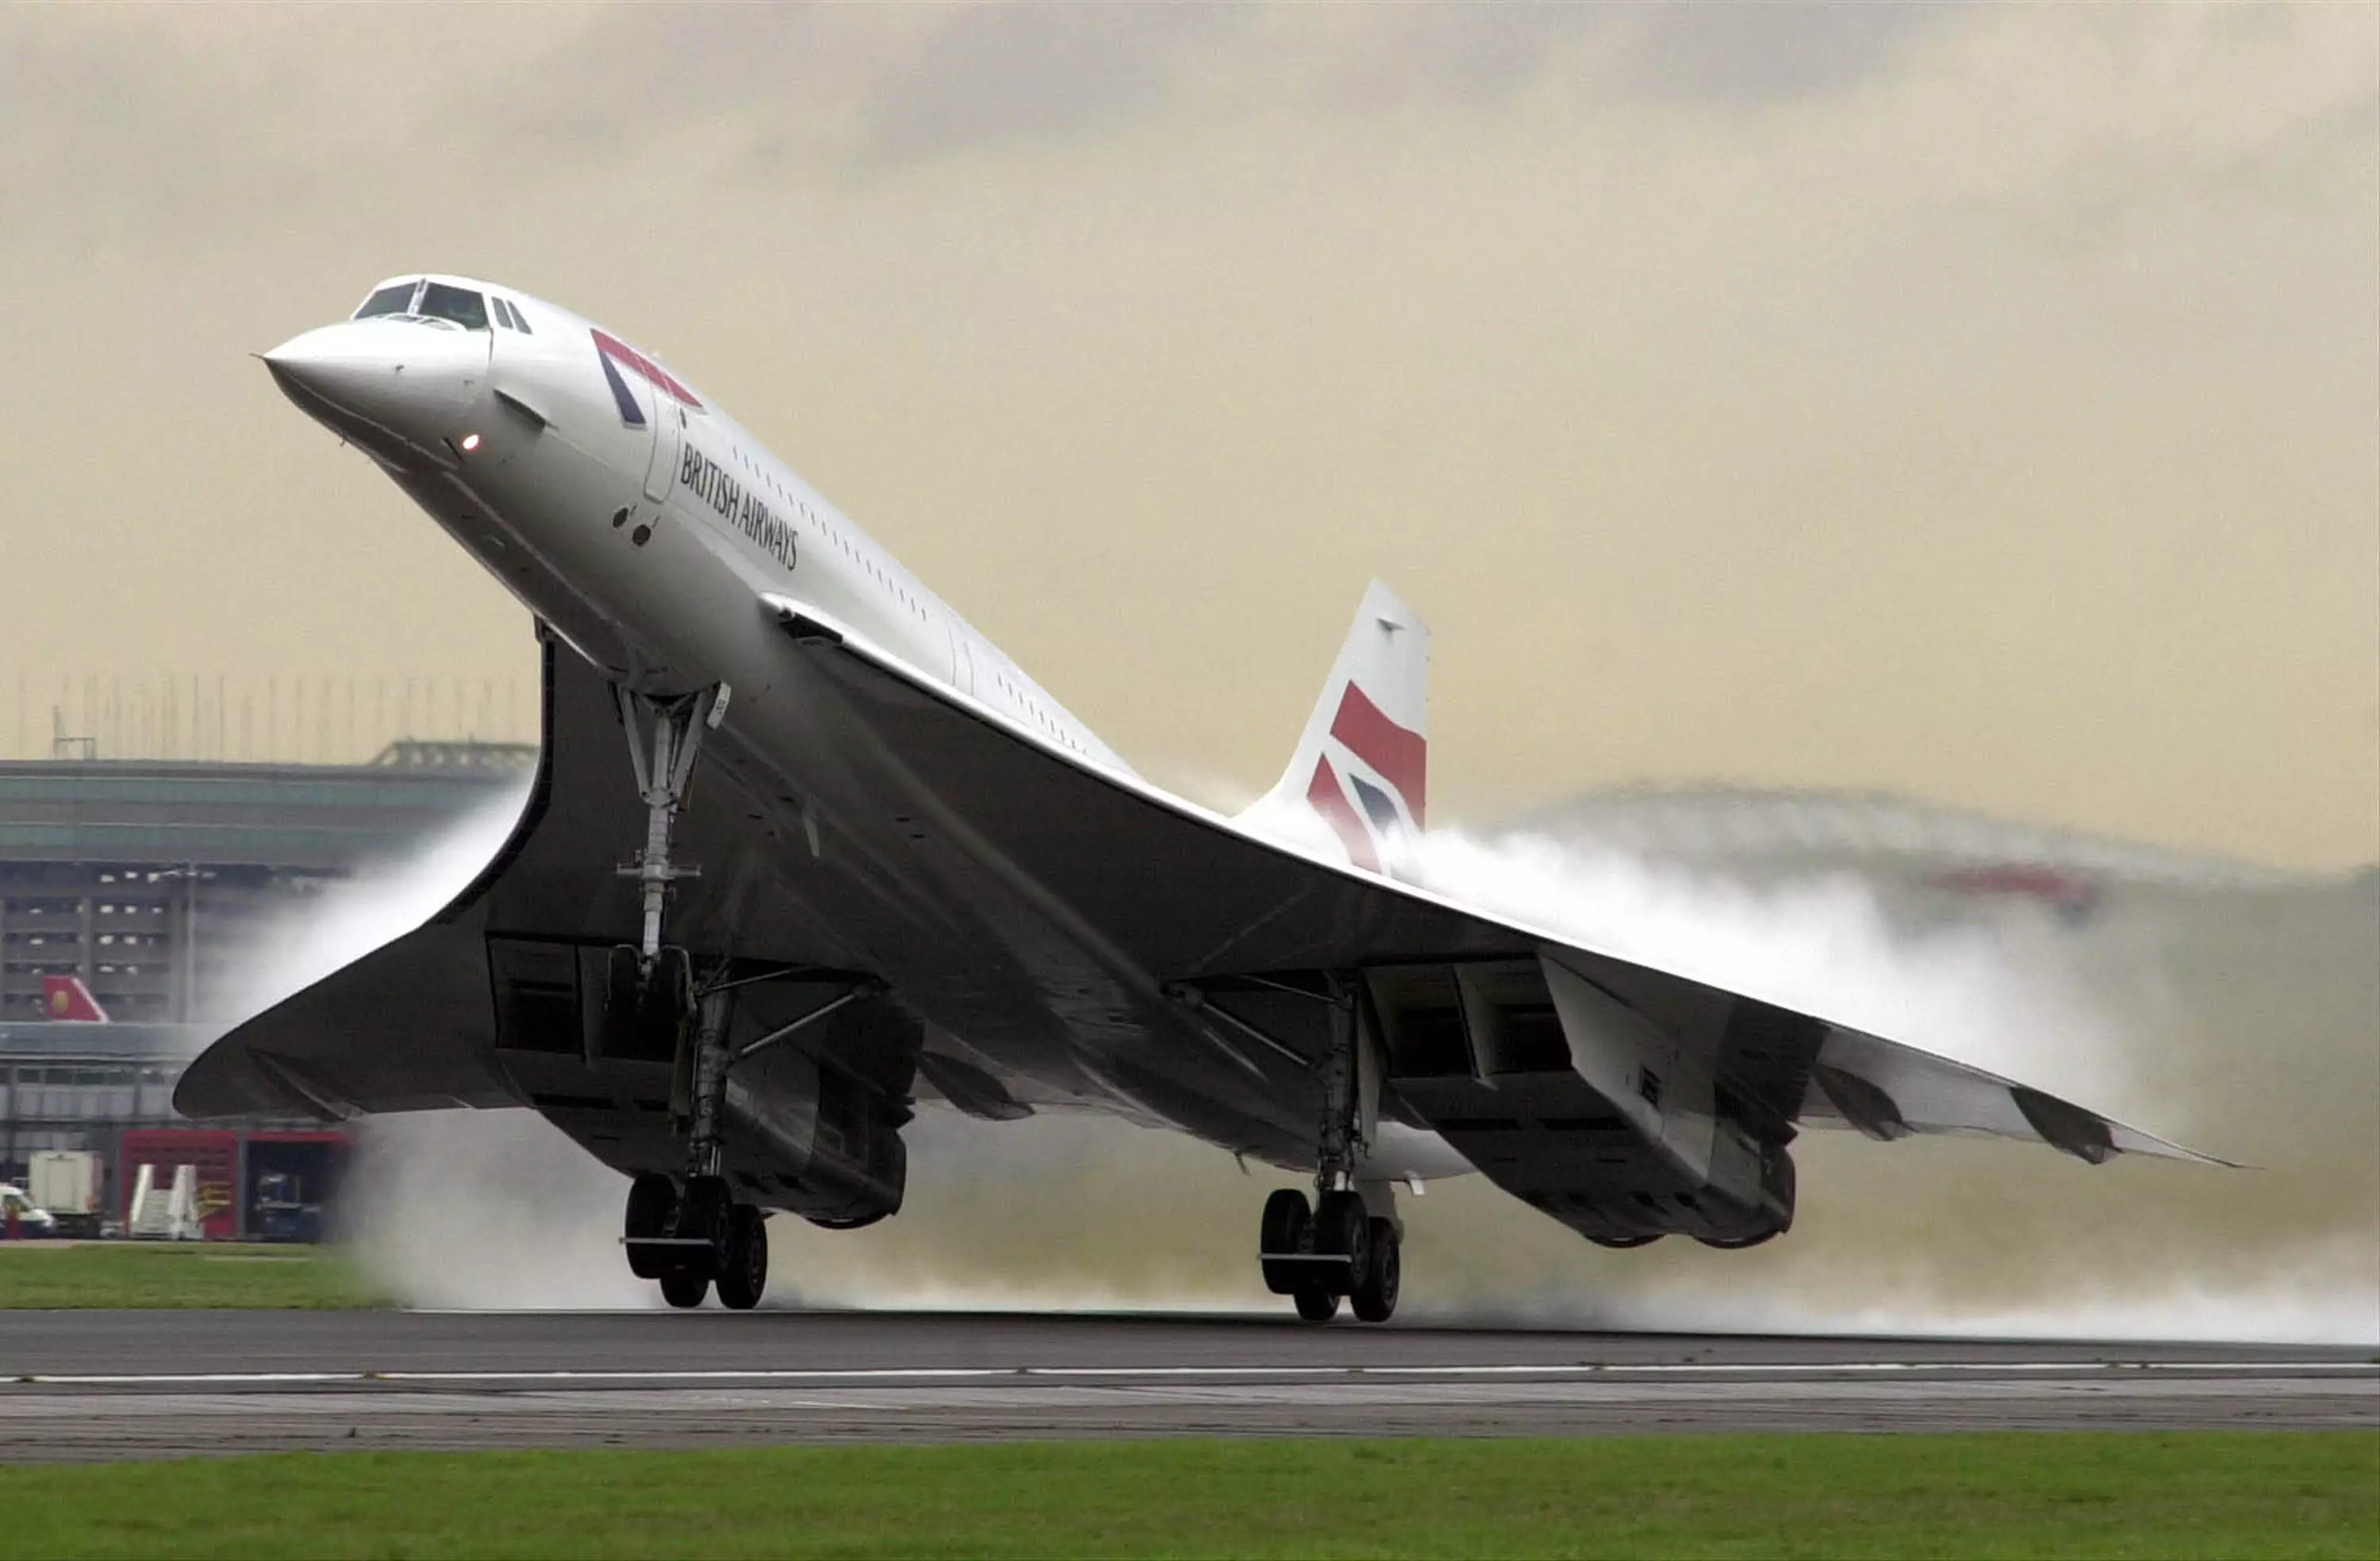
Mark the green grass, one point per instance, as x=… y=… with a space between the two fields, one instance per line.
x=2126 y=1494
x=40 y=1274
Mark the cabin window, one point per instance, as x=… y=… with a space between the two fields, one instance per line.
x=459 y=305
x=395 y=298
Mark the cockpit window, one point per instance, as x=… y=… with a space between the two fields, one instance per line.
x=520 y=321
x=460 y=304
x=395 y=298
x=503 y=316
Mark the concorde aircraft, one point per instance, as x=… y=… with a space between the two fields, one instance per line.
x=804 y=847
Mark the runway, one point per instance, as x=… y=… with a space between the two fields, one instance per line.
x=86 y=1384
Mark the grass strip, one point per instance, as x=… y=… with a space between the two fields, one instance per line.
x=2070 y=1493
x=146 y=1273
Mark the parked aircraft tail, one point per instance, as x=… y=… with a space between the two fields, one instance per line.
x=65 y=997
x=1362 y=766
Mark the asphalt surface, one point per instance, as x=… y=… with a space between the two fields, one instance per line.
x=97 y=1384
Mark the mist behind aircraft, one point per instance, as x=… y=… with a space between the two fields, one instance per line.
x=2239 y=1012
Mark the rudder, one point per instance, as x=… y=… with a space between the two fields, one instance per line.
x=1361 y=768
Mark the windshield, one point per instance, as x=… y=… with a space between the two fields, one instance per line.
x=460 y=304
x=395 y=298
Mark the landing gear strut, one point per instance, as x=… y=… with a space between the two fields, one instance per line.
x=691 y=1234
x=687 y=1233
x=1337 y=1246
x=678 y=725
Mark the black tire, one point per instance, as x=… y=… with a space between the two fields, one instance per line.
x=1316 y=1304
x=623 y=1002
x=743 y=1271
x=1342 y=1229
x=674 y=979
x=1375 y=1297
x=667 y=1003
x=1287 y=1227
x=652 y=1198
x=643 y=1013
x=703 y=1213
x=684 y=1290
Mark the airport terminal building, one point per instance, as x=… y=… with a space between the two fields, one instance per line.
x=158 y=883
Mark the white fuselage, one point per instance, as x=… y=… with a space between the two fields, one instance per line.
x=722 y=509
x=656 y=537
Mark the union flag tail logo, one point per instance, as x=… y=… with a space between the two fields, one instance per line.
x=65 y=997
x=1362 y=766
x=614 y=353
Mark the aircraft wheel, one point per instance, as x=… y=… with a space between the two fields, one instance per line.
x=642 y=1014
x=1342 y=1229
x=744 y=1269
x=621 y=1003
x=665 y=1003
x=705 y=1212
x=1288 y=1222
x=1316 y=1305
x=652 y=1199
x=1375 y=1297
x=685 y=1291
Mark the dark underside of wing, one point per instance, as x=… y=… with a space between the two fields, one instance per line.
x=1625 y=1101
x=418 y=1023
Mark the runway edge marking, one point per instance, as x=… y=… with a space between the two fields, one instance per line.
x=946 y=1374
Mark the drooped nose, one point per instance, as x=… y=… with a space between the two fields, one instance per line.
x=381 y=379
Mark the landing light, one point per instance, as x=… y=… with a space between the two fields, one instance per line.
x=470 y=443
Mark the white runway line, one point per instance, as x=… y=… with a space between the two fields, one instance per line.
x=1709 y=1371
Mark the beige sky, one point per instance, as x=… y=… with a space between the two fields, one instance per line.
x=1978 y=406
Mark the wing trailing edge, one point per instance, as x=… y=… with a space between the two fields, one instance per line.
x=1887 y=1090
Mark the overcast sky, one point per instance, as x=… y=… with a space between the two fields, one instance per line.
x=1978 y=405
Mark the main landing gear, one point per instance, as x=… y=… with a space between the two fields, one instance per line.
x=692 y=1240
x=1316 y=1254
x=688 y=1233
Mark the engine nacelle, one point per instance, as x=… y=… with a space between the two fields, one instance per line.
x=1750 y=1196
x=816 y=1129
x=818 y=1145
x=1637 y=1194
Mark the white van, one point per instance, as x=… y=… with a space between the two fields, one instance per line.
x=30 y=1218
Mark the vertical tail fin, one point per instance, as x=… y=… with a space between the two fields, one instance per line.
x=65 y=997
x=1360 y=774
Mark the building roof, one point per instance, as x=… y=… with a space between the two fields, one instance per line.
x=320 y=817
x=105 y=1043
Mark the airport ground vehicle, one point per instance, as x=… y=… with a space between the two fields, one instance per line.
x=69 y=1183
x=22 y=1218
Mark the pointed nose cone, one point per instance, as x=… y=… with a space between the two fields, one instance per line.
x=382 y=381
x=331 y=363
